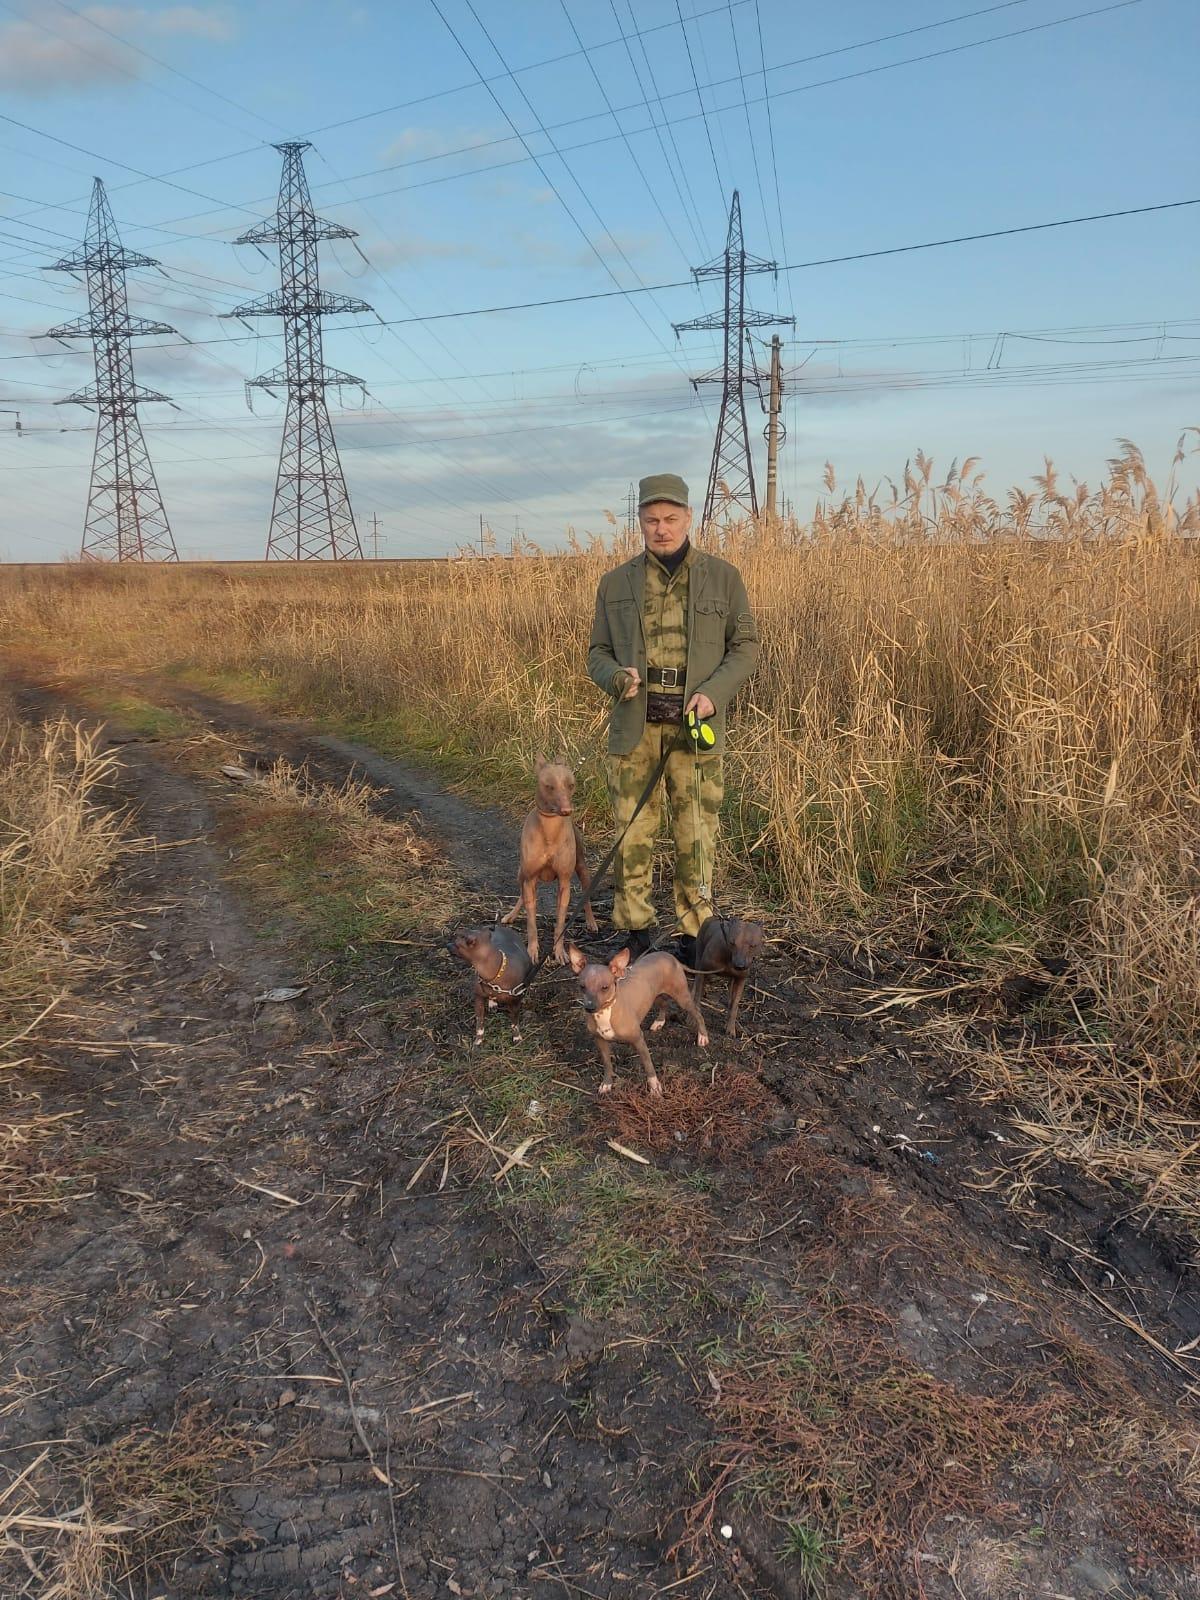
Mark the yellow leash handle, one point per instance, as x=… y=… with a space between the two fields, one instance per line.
x=701 y=733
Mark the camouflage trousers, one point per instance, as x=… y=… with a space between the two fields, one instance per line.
x=694 y=786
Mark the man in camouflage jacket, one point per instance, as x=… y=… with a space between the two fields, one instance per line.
x=673 y=632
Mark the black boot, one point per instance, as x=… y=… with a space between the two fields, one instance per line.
x=640 y=941
x=686 y=949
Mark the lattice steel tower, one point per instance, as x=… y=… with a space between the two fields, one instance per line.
x=731 y=477
x=125 y=520
x=311 y=519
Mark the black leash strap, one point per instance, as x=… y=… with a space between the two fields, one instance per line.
x=601 y=871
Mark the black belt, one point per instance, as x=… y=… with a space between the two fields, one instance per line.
x=666 y=677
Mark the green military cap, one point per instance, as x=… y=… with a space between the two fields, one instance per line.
x=667 y=486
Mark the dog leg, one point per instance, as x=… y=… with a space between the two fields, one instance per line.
x=514 y=1017
x=560 y=921
x=660 y=1020
x=585 y=883
x=643 y=1050
x=480 y=1013
x=529 y=896
x=516 y=910
x=605 y=1050
x=738 y=985
x=679 y=992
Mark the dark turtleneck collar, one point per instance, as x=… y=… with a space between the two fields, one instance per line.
x=675 y=560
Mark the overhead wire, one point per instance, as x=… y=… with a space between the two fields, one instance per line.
x=689 y=117
x=539 y=163
x=700 y=102
x=750 y=139
x=659 y=208
x=795 y=266
x=678 y=168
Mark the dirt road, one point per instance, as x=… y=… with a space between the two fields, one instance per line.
x=272 y=1308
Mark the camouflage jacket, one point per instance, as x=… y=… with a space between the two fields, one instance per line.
x=722 y=640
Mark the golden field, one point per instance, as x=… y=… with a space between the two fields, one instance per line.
x=973 y=728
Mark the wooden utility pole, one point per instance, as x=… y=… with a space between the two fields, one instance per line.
x=774 y=429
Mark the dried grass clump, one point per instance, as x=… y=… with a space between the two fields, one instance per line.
x=58 y=841
x=829 y=1422
x=84 y=1524
x=721 y=1118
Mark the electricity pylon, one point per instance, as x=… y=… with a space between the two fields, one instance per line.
x=731 y=477
x=125 y=519
x=311 y=519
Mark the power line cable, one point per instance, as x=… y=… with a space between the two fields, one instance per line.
x=587 y=144
x=94 y=22
x=796 y=266
x=580 y=229
x=676 y=176
x=766 y=103
x=28 y=19
x=700 y=102
x=381 y=111
x=659 y=208
x=750 y=139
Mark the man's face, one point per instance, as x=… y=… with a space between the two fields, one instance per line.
x=664 y=526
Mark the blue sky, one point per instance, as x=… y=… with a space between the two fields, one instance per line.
x=539 y=419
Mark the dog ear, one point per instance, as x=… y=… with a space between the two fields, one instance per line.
x=619 y=963
x=577 y=958
x=539 y=761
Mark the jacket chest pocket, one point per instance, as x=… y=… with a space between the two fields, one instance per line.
x=710 y=617
x=624 y=622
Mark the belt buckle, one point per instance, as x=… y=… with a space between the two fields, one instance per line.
x=669 y=677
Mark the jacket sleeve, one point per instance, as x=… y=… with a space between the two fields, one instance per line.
x=605 y=671
x=741 y=649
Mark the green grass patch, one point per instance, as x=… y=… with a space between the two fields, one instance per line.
x=349 y=881
x=133 y=714
x=637 y=1246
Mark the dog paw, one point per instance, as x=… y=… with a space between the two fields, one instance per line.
x=655 y=1088
x=591 y=924
x=479 y=1037
x=658 y=1024
x=702 y=1040
x=605 y=1088
x=560 y=954
x=533 y=950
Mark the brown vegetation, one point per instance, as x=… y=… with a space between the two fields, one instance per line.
x=58 y=840
x=975 y=717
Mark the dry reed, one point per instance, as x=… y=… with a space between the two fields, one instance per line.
x=58 y=840
x=982 y=711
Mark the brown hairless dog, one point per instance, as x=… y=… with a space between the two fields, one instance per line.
x=551 y=849
x=616 y=997
x=726 y=947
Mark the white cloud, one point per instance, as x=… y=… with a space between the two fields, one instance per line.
x=72 y=54
x=424 y=144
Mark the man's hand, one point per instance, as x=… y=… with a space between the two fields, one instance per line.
x=701 y=705
x=634 y=684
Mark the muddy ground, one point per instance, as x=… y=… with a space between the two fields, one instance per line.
x=270 y=1308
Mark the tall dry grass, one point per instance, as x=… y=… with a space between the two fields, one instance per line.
x=58 y=841
x=984 y=712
